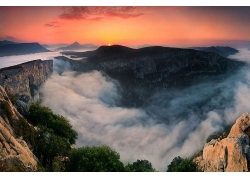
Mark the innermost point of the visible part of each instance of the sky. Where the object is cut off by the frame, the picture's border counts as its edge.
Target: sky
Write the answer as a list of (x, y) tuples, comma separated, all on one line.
[(127, 25)]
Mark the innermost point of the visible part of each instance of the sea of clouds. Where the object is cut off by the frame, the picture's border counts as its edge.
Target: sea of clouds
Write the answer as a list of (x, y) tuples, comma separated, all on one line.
[(173, 122)]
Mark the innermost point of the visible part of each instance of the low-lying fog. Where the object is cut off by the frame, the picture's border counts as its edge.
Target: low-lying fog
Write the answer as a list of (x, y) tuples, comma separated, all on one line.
[(7, 61), (176, 122)]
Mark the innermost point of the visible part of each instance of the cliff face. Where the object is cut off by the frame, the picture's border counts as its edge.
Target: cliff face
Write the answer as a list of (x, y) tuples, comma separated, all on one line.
[(24, 80), (141, 71), (21, 81), (231, 154), (13, 150)]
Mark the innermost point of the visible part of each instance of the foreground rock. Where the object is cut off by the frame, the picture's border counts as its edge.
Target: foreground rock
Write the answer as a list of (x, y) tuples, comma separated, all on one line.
[(13, 150), (231, 154), (19, 87)]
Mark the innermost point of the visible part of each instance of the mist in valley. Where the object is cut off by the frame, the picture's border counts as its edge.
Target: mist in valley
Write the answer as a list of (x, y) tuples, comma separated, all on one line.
[(172, 122), (7, 61)]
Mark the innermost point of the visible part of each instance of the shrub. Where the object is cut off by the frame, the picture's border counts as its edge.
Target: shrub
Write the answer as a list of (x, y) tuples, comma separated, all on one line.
[(55, 136), (6, 109), (179, 164), (95, 159), (140, 166)]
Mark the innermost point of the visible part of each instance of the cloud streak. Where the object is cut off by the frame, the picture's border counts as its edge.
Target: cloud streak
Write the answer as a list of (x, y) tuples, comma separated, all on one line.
[(52, 24), (98, 13)]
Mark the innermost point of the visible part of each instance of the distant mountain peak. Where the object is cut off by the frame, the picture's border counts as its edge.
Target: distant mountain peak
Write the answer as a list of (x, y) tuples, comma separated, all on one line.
[(76, 46), (76, 43)]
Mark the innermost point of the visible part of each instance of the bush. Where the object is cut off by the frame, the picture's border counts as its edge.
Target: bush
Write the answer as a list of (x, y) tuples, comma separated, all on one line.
[(94, 159), (16, 169), (6, 109), (220, 134), (55, 136), (13, 99), (58, 165), (22, 128), (43, 116), (179, 164), (140, 166)]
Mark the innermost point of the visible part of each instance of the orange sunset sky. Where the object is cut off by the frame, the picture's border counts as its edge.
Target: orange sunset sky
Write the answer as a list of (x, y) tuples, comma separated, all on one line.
[(126, 25)]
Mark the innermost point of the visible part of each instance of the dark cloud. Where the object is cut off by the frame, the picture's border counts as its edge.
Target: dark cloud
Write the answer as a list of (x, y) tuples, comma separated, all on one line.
[(52, 24), (97, 13)]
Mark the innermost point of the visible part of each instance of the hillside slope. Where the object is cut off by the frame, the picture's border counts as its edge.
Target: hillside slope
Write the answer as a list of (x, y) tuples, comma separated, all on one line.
[(21, 48)]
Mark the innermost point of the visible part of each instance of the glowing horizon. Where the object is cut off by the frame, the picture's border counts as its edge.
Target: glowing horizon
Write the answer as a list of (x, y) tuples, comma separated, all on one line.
[(131, 26)]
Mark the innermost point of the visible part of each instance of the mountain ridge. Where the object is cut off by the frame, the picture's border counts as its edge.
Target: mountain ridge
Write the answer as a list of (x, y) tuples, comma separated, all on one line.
[(77, 46), (21, 49), (224, 51), (152, 67)]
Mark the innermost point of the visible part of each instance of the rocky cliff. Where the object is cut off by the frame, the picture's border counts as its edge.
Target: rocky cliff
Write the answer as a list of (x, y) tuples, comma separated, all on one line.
[(231, 154), (141, 71), (13, 150), (21, 82)]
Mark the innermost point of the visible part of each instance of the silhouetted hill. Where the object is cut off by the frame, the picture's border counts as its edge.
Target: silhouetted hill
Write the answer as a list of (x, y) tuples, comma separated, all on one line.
[(221, 50), (21, 48), (77, 46), (5, 42), (143, 70)]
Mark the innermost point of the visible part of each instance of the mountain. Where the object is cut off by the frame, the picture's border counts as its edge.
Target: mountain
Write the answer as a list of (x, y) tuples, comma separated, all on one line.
[(77, 46), (18, 89), (21, 48), (4, 42), (141, 71), (221, 50)]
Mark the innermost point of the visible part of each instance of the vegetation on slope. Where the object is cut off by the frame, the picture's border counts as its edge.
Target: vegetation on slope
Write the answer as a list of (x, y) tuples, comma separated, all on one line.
[(179, 164), (51, 137)]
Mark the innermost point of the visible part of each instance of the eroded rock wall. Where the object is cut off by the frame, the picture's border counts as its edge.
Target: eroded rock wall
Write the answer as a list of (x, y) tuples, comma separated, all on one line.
[(231, 154), (24, 80), (13, 150)]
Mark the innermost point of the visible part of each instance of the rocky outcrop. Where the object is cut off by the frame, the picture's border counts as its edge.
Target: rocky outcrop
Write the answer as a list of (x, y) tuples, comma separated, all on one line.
[(231, 154), (24, 80), (13, 150), (19, 87)]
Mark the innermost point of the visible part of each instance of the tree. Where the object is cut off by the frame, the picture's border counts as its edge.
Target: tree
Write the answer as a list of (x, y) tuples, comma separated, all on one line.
[(179, 164), (43, 116), (94, 159), (55, 135), (140, 166)]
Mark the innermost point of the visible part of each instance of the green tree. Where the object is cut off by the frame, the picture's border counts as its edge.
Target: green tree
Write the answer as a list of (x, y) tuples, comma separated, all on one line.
[(43, 116), (140, 166), (55, 135), (95, 159), (179, 164)]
